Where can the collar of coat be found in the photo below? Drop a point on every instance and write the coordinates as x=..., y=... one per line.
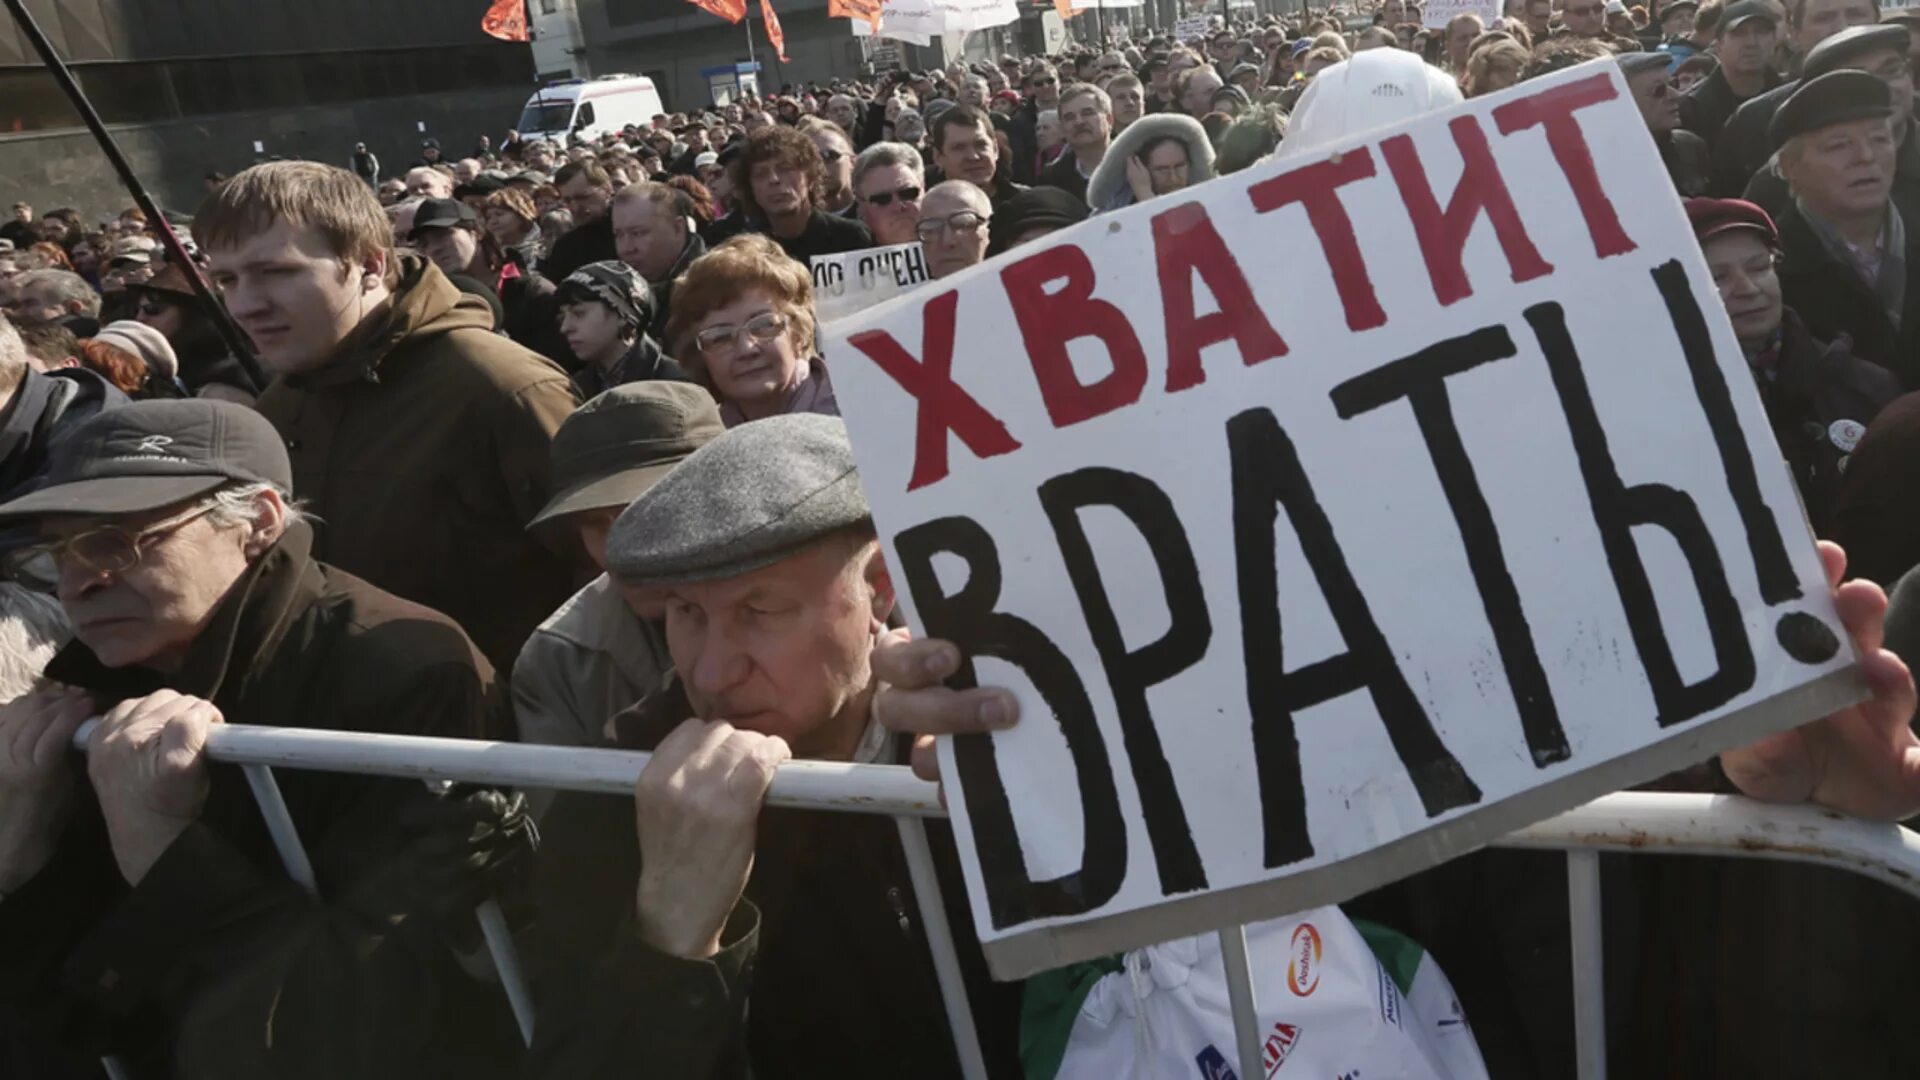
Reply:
x=424, y=305
x=237, y=644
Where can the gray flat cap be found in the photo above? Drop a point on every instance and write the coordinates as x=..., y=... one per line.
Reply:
x=744, y=501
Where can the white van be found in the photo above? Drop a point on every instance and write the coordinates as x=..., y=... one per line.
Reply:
x=589, y=108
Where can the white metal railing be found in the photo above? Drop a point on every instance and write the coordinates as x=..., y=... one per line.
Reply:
x=1636, y=822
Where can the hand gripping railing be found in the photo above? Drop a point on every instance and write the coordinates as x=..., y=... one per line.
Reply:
x=1639, y=823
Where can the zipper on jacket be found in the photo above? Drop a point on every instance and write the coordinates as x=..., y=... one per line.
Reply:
x=899, y=910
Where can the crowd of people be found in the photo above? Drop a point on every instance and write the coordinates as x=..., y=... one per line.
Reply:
x=538, y=445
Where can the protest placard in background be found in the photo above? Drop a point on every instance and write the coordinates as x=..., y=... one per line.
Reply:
x=1333, y=518
x=856, y=280
x=1439, y=13
x=1191, y=27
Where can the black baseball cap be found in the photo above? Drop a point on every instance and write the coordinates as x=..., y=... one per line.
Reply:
x=621, y=443
x=481, y=185
x=441, y=214
x=150, y=454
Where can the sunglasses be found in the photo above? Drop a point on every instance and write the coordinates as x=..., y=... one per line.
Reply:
x=908, y=194
x=1045, y=80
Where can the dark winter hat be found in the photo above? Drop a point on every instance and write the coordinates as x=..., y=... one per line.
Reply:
x=746, y=500
x=1741, y=11
x=1834, y=98
x=613, y=449
x=614, y=284
x=151, y=454
x=1639, y=63
x=1031, y=209
x=441, y=214
x=1850, y=44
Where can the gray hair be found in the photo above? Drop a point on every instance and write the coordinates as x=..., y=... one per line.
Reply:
x=882, y=154
x=238, y=504
x=68, y=288
x=32, y=628
x=1084, y=89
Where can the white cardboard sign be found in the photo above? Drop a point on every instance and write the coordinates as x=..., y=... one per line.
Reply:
x=1333, y=518
x=1439, y=13
x=852, y=281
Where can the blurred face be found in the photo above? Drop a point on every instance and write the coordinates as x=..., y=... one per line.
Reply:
x=1586, y=17
x=953, y=229
x=1821, y=19
x=1659, y=104
x=843, y=112
x=1129, y=104
x=779, y=189
x=593, y=526
x=451, y=249
x=1887, y=65
x=837, y=153
x=890, y=203
x=31, y=305
x=1316, y=66
x=1459, y=37
x=1743, y=270
x=1748, y=48
x=967, y=153
x=150, y=613
x=909, y=128
x=1088, y=126
x=1677, y=25
x=648, y=237
x=783, y=650
x=465, y=170
x=392, y=191
x=1167, y=166
x=1842, y=171
x=294, y=296
x=756, y=121
x=594, y=333
x=85, y=259
x=53, y=230
x=540, y=158
x=429, y=184
x=1199, y=96
x=1047, y=131
x=584, y=199
x=745, y=368
x=163, y=315
x=1539, y=15
x=974, y=92
x=1043, y=86
x=506, y=226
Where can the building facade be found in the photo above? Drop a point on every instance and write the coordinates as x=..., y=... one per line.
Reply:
x=190, y=87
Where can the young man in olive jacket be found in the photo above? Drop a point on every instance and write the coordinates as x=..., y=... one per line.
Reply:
x=144, y=913
x=418, y=436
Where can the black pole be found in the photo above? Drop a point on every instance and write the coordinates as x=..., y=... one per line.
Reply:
x=236, y=341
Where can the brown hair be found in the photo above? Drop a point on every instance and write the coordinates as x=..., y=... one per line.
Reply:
x=750, y=261
x=113, y=363
x=1489, y=53
x=305, y=194
x=786, y=148
x=515, y=200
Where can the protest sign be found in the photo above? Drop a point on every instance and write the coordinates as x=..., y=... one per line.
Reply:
x=853, y=281
x=1441, y=12
x=1191, y=27
x=1332, y=518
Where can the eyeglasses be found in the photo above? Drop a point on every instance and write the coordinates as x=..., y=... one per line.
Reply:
x=1040, y=80
x=964, y=221
x=760, y=330
x=105, y=549
x=152, y=310
x=908, y=194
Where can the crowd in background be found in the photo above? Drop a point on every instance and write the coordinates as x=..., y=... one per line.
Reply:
x=537, y=443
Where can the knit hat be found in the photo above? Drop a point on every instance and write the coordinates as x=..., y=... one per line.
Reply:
x=139, y=339
x=614, y=284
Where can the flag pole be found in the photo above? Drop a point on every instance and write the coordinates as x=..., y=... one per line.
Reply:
x=747, y=20
x=176, y=254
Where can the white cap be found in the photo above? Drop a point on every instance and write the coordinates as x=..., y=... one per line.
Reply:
x=1375, y=89
x=1616, y=7
x=705, y=158
x=144, y=342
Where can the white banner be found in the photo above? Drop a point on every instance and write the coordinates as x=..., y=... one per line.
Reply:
x=1191, y=27
x=1441, y=12
x=936, y=17
x=853, y=281
x=1333, y=518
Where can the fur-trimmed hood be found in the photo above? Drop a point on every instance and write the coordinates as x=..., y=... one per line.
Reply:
x=1110, y=176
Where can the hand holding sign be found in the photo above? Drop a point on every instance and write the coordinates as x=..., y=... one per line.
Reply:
x=1864, y=760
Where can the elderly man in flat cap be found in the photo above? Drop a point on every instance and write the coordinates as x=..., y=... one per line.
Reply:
x=690, y=934
x=143, y=911
x=1850, y=261
x=1881, y=51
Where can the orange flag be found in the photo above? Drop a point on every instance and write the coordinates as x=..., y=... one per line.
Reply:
x=774, y=33
x=1064, y=9
x=731, y=10
x=506, y=20
x=867, y=11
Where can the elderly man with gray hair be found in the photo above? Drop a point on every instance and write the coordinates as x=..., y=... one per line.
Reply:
x=142, y=913
x=695, y=934
x=888, y=180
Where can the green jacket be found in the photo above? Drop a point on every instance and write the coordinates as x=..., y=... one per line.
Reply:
x=422, y=448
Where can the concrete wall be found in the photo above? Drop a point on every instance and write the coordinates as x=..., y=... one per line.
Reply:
x=66, y=168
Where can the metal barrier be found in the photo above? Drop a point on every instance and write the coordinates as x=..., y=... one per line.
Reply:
x=1640, y=823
